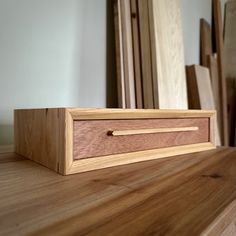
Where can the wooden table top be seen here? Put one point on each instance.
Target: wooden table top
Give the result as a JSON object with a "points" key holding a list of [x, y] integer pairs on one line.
{"points": [[184, 195]]}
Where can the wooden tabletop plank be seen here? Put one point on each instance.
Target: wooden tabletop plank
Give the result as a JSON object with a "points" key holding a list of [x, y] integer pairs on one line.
{"points": [[184, 195]]}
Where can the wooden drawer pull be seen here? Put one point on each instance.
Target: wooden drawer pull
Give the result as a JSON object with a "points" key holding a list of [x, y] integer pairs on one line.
{"points": [[150, 131]]}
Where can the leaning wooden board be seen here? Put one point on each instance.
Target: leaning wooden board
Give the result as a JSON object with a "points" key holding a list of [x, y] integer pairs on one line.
{"points": [[137, 54], [77, 140], [218, 29], [205, 42], [189, 195], [199, 88], [213, 68], [124, 52], [200, 93], [230, 68], [146, 57], [167, 46]]}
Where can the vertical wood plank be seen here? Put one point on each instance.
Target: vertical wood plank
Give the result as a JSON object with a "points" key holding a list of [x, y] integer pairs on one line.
{"points": [[220, 57], [169, 54], [146, 61], [205, 41], [125, 62], [136, 52], [230, 68], [213, 68], [153, 55], [200, 91], [198, 79], [119, 56], [125, 9]]}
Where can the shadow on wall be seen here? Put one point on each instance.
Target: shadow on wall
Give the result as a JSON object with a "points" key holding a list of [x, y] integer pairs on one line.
{"points": [[111, 85], [6, 134]]}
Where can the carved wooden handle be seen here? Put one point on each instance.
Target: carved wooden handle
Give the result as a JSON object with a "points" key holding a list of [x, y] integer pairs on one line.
{"points": [[150, 131]]}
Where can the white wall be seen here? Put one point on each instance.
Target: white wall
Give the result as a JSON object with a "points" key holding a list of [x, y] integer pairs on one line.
{"points": [[192, 12], [61, 53], [52, 53]]}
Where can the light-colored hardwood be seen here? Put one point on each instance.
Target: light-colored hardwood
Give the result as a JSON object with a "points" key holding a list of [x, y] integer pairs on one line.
{"points": [[125, 9], [136, 53], [146, 58], [224, 224], [200, 93], [91, 138], [89, 164], [167, 47], [124, 48], [113, 114], [151, 131], [199, 88], [213, 68], [205, 42], [192, 194], [220, 57], [39, 135], [119, 56], [48, 136]]}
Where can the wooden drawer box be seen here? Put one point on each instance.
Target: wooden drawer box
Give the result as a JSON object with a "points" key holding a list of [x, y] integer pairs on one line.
{"points": [[76, 140]]}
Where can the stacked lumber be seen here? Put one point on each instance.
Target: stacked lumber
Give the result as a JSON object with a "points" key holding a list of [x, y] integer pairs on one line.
{"points": [[150, 61], [210, 78], [149, 54]]}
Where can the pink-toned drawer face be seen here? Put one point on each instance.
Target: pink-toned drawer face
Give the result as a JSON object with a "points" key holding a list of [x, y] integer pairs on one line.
{"points": [[93, 138]]}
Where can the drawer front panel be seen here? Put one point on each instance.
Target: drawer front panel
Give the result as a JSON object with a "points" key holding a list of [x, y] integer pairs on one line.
{"points": [[92, 138]]}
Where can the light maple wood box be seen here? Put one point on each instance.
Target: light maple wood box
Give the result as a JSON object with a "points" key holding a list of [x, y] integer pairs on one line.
{"points": [[72, 140]]}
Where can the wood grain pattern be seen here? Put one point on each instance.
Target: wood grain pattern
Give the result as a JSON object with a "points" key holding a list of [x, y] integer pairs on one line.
{"points": [[167, 47], [213, 68], [91, 139], [146, 58], [102, 162], [230, 70], [200, 93], [124, 48], [113, 114], [127, 53], [224, 224], [220, 57], [188, 195], [136, 53], [119, 56], [47, 136], [199, 88], [39, 136], [205, 42]]}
